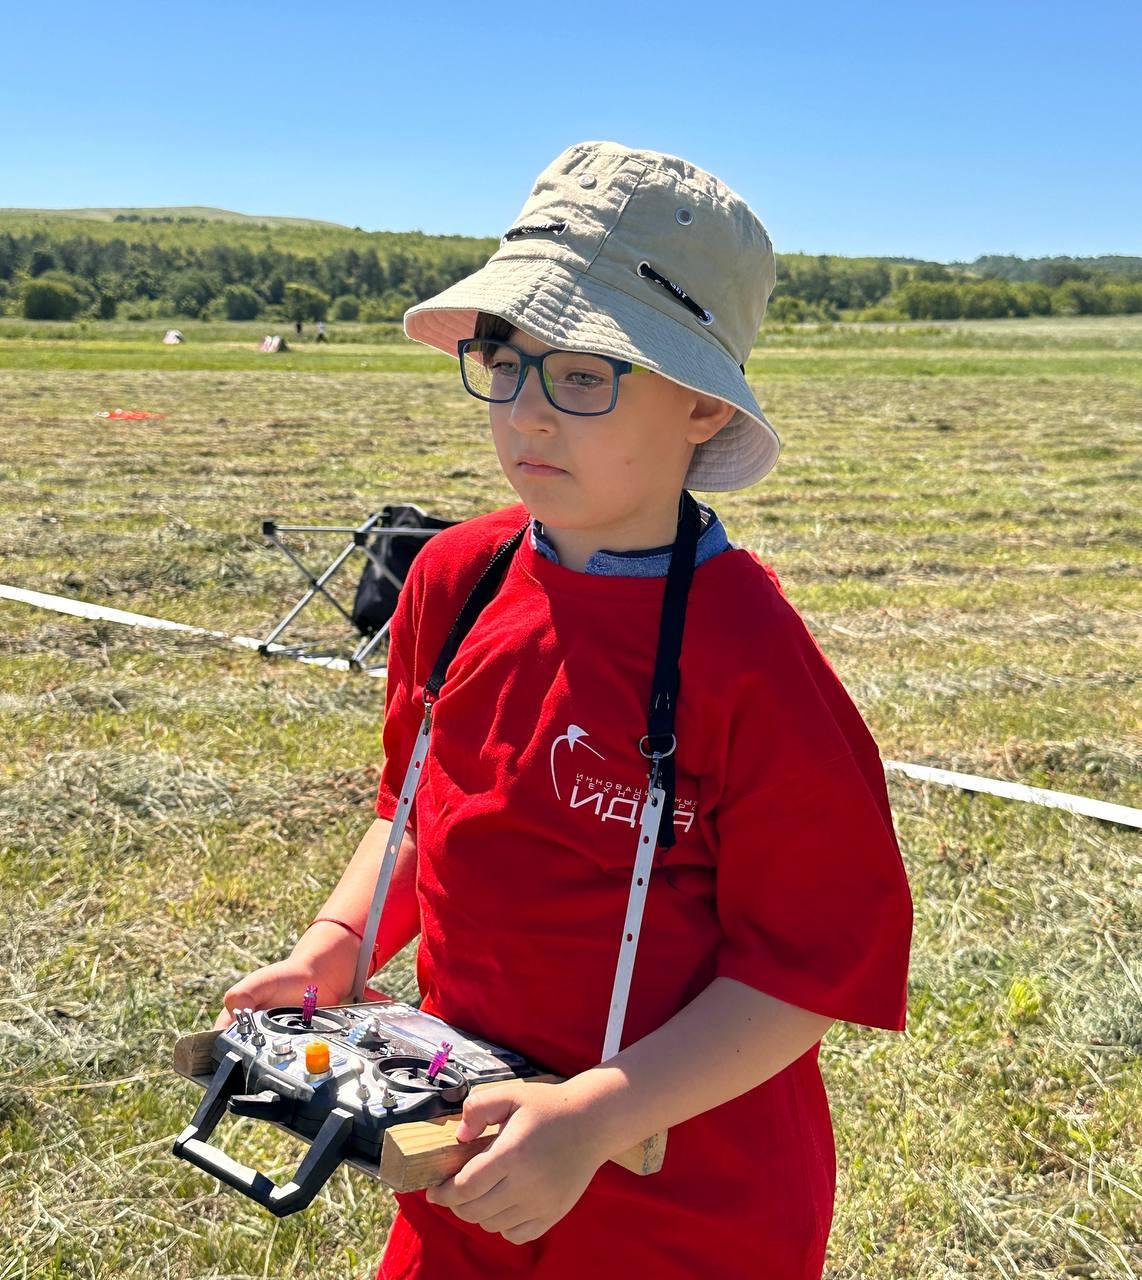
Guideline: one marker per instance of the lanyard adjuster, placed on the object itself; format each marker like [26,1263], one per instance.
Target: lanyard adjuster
[430,697]
[659,750]
[656,749]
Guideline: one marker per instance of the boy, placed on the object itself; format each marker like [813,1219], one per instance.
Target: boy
[632,287]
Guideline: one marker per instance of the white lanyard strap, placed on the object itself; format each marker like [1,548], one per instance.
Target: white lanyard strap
[652,814]
[412,777]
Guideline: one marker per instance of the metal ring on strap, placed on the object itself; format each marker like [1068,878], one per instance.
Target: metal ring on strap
[650,755]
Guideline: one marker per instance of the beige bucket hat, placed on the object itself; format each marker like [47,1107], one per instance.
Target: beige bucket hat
[643,257]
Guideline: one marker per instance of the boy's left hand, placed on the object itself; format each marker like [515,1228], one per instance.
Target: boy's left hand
[537,1167]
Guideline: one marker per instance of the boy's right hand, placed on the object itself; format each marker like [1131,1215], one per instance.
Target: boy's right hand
[325,954]
[281,983]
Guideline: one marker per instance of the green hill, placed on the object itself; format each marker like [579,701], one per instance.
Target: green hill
[163,213]
[1051,271]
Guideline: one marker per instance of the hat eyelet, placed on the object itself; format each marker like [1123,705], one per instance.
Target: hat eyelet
[706,319]
[643,270]
[683,217]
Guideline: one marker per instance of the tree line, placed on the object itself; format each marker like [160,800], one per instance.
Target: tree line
[52,276]
[139,268]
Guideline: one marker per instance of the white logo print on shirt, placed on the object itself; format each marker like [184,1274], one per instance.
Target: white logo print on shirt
[573,735]
[623,803]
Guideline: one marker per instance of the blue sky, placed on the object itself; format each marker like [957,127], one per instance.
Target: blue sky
[934,131]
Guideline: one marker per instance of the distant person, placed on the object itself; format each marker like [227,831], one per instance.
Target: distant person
[297,327]
[321,331]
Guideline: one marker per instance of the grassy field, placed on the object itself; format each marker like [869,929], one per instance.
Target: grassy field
[955,514]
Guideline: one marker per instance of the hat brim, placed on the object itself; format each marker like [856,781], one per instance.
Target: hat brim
[566,309]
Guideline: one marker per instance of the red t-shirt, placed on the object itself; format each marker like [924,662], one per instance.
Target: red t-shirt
[785,875]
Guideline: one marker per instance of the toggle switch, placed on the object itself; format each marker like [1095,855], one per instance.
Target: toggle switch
[357,1066]
[261,1106]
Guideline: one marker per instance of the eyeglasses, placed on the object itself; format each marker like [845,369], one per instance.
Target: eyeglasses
[577,382]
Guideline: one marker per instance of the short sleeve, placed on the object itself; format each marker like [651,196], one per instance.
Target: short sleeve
[439,580]
[812,895]
[403,710]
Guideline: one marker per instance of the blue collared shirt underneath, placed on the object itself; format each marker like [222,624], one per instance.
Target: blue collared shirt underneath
[653,562]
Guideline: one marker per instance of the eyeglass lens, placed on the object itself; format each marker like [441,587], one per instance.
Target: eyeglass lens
[577,382]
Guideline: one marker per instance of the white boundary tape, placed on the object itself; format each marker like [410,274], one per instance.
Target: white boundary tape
[1120,813]
[1101,809]
[101,613]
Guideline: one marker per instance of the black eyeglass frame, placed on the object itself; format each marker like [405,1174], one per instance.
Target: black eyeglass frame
[528,361]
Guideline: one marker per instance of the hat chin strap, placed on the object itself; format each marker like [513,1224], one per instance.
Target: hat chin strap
[703,316]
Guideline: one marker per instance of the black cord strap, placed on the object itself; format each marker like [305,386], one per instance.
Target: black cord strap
[478,598]
[660,743]
[648,272]
[515,233]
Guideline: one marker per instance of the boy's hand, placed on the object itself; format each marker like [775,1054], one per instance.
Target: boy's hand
[537,1167]
[281,983]
[326,955]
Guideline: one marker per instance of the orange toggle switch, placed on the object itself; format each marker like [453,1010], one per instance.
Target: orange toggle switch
[316,1057]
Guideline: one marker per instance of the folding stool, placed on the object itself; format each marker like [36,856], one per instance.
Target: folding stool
[390,539]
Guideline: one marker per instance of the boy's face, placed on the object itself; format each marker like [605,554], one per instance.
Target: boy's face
[616,477]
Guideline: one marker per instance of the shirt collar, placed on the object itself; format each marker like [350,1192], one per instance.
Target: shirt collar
[653,562]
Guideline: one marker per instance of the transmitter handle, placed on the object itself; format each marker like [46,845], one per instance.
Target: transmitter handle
[320,1160]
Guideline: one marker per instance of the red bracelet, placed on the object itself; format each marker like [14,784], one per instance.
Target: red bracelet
[330,920]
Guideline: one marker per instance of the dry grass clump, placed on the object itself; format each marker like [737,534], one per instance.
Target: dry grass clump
[88,786]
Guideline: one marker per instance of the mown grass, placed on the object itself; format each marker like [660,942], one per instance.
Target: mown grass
[1083,346]
[772,361]
[964,543]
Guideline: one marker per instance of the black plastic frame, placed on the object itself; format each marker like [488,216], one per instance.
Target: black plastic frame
[528,361]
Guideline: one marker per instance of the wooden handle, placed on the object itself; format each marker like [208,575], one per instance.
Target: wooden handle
[192,1053]
[422,1153]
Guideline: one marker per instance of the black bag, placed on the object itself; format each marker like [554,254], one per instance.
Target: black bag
[388,560]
